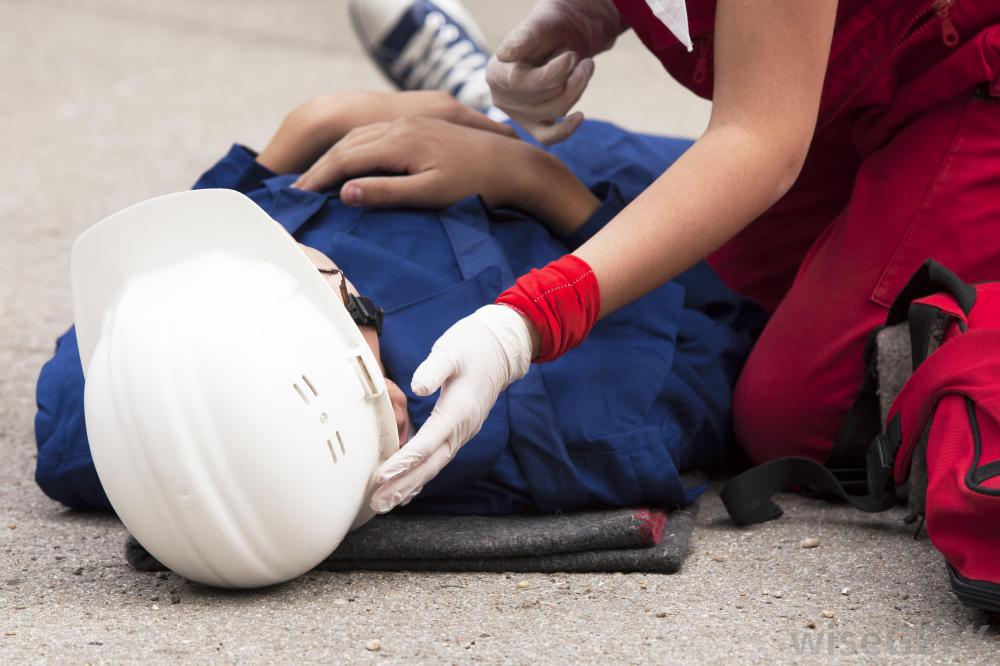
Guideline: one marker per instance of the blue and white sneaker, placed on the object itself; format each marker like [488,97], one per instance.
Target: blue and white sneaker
[426,45]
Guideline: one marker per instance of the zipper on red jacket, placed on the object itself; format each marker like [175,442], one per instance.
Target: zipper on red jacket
[940,10]
[949,33]
[702,48]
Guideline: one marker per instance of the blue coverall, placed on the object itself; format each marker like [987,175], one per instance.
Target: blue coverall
[612,423]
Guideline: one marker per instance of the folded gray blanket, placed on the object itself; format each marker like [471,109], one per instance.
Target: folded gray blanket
[626,540]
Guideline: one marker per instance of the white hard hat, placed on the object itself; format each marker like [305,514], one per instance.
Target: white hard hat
[234,411]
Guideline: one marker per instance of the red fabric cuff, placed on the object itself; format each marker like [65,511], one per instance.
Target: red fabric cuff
[562,300]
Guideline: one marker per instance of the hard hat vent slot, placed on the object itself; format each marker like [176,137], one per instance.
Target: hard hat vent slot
[332,449]
[366,378]
[302,394]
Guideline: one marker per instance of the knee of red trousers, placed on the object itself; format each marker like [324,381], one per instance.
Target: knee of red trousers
[772,416]
[790,403]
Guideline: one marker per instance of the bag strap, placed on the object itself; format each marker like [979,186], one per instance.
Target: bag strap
[932,278]
[859,468]
[864,420]
[748,496]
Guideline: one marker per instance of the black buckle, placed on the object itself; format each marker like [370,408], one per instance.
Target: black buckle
[881,457]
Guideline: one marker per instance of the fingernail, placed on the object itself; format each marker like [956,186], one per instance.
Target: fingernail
[352,195]
[419,389]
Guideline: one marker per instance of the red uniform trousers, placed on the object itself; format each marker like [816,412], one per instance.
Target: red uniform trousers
[905,166]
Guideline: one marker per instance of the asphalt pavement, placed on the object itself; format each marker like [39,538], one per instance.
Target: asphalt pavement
[104,103]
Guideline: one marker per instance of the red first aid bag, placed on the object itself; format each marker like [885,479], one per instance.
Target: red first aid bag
[940,442]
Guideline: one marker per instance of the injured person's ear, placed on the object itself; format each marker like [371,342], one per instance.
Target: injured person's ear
[398,400]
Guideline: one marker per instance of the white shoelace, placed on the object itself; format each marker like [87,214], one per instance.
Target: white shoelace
[438,58]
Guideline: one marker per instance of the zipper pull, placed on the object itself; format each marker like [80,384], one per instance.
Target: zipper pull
[701,66]
[949,33]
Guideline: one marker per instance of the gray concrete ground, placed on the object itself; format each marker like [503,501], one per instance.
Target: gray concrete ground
[106,102]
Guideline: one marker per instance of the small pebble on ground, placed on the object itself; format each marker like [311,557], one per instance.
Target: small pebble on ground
[374,645]
[810,542]
[522,585]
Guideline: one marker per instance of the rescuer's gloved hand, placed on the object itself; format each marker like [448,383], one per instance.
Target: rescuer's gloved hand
[472,362]
[542,68]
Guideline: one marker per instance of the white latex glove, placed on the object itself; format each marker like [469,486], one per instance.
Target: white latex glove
[543,66]
[472,362]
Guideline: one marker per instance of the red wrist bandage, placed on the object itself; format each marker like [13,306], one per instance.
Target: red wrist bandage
[562,300]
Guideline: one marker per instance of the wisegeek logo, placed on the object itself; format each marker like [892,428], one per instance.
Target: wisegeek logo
[916,641]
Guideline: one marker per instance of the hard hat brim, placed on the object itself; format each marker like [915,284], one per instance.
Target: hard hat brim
[176,228]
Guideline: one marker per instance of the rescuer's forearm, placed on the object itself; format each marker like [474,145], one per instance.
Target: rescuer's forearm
[720,185]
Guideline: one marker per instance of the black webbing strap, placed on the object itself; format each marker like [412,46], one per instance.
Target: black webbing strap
[748,496]
[864,420]
[931,278]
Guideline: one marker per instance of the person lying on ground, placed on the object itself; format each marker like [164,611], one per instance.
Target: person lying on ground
[613,423]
